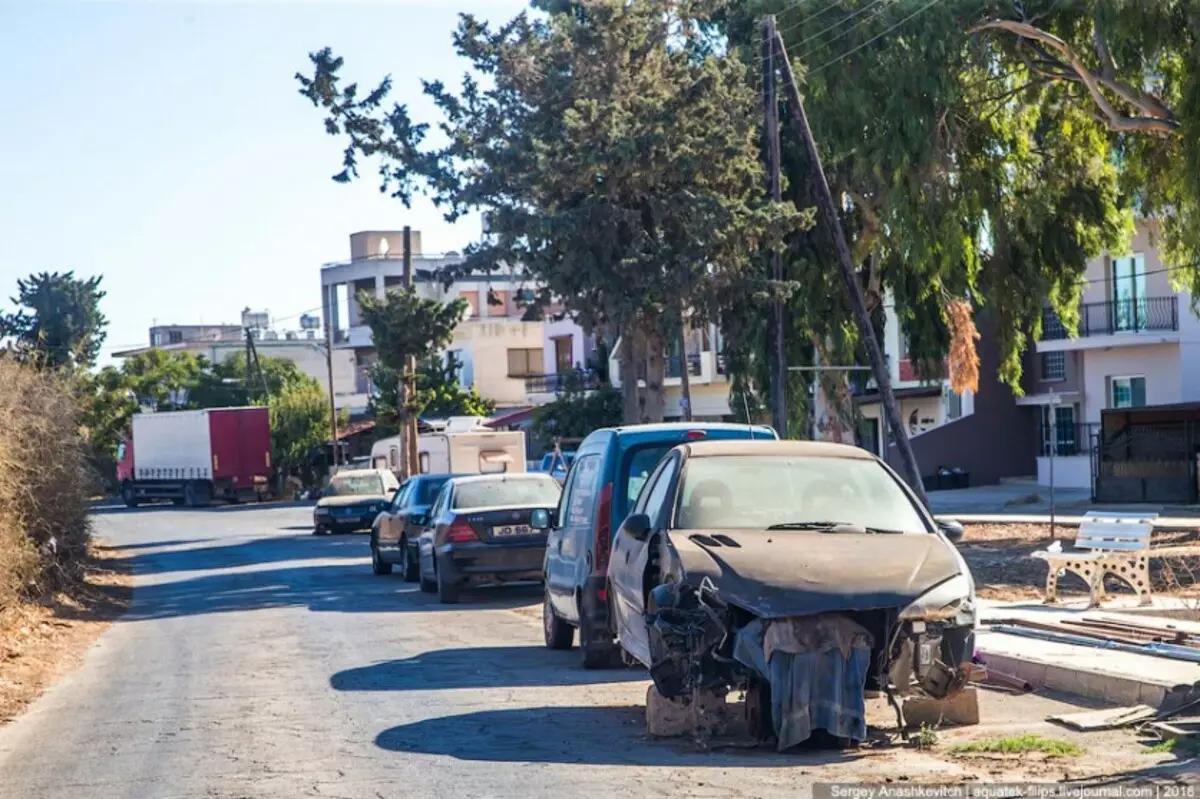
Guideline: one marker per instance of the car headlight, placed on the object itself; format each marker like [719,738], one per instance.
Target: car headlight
[321,512]
[944,601]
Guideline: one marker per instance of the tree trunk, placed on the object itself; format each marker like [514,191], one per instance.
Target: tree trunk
[627,359]
[685,381]
[656,372]
[402,424]
[414,460]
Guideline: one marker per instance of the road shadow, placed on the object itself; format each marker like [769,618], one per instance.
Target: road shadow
[116,509]
[119,548]
[343,586]
[607,736]
[479,667]
[241,553]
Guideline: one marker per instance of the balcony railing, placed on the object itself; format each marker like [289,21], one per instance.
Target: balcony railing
[673,370]
[1070,438]
[1116,316]
[559,382]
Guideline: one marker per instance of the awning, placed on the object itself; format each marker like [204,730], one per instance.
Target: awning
[901,393]
[495,457]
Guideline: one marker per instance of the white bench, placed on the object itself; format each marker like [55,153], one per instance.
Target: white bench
[1108,543]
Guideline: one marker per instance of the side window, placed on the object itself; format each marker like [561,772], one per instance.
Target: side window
[659,486]
[423,462]
[579,500]
[401,497]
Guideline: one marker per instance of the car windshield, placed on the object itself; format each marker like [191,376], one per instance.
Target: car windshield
[641,464]
[353,485]
[508,492]
[757,492]
[427,490]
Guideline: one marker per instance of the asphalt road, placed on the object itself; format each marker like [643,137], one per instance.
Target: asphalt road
[260,661]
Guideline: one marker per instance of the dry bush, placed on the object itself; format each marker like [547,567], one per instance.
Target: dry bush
[45,484]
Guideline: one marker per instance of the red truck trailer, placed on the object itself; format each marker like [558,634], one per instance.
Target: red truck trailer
[194,457]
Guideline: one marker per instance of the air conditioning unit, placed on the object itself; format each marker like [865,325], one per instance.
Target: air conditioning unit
[270,335]
[290,336]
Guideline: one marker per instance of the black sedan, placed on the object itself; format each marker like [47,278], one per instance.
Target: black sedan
[479,532]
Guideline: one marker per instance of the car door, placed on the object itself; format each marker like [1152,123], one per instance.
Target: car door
[392,520]
[566,545]
[630,557]
[425,543]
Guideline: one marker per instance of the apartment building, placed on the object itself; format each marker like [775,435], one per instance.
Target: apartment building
[1138,344]
[495,348]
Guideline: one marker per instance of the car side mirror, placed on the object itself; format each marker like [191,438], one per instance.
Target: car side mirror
[951,529]
[638,526]
[540,519]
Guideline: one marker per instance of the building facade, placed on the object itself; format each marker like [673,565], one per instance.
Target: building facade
[496,349]
[1137,344]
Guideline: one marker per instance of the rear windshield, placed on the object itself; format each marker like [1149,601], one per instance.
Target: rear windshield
[368,484]
[508,492]
[641,463]
[427,490]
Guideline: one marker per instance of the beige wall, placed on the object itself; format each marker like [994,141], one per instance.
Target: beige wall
[1144,242]
[928,410]
[484,345]
[1158,363]
[308,359]
[367,243]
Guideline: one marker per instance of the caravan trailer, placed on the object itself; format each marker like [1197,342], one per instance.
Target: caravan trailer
[463,447]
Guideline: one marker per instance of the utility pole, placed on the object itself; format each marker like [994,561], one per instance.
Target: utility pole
[908,460]
[333,427]
[248,382]
[408,426]
[262,379]
[779,415]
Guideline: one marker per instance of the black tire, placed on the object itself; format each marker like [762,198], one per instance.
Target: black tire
[128,495]
[318,530]
[427,586]
[597,650]
[378,564]
[410,567]
[189,494]
[558,634]
[447,591]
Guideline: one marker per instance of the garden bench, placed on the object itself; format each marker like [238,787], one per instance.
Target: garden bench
[1108,543]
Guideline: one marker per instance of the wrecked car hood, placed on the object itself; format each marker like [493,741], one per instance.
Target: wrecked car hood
[776,574]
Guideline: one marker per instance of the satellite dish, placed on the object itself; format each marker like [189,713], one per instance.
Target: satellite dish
[383,247]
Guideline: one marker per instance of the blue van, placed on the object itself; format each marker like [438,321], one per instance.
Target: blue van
[608,471]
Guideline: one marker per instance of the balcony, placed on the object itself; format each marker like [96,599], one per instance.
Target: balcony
[1156,317]
[559,382]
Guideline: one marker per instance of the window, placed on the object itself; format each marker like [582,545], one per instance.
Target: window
[1129,293]
[423,461]
[508,492]
[401,497]
[494,461]
[1064,436]
[1054,366]
[524,362]
[953,404]
[582,486]
[755,492]
[175,337]
[641,463]
[1127,392]
[656,499]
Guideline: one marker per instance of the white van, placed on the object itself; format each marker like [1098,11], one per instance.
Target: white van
[474,451]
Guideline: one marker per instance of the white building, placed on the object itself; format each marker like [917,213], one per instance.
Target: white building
[497,350]
[1138,344]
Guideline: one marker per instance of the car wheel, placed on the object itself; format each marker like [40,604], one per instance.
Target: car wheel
[129,495]
[597,649]
[410,566]
[558,634]
[447,591]
[378,564]
[319,530]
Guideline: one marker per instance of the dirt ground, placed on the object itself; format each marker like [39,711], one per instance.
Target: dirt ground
[40,642]
[1000,557]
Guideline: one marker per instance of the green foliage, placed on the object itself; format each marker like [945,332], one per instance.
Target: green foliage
[63,326]
[406,325]
[616,153]
[439,395]
[577,412]
[299,424]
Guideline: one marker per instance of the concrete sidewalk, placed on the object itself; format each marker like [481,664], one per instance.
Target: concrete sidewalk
[1029,503]
[1117,677]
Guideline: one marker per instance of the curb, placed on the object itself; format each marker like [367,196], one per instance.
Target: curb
[1110,688]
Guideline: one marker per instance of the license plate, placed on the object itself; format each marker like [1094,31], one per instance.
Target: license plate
[512,529]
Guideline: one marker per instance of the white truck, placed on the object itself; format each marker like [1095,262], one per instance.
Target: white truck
[464,446]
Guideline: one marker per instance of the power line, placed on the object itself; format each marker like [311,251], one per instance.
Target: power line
[837,24]
[875,38]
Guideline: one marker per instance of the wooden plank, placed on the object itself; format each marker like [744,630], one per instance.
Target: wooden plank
[1116,546]
[1104,515]
[1109,719]
[1116,530]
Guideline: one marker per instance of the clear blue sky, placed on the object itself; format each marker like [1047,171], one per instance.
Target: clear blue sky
[163,145]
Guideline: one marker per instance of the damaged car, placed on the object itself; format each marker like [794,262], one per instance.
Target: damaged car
[805,574]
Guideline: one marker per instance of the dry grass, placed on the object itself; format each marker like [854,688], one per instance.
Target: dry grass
[45,483]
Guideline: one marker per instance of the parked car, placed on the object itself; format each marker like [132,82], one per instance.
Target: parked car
[353,499]
[608,472]
[730,538]
[396,530]
[479,532]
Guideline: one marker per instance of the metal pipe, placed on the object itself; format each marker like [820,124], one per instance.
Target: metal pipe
[1156,649]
